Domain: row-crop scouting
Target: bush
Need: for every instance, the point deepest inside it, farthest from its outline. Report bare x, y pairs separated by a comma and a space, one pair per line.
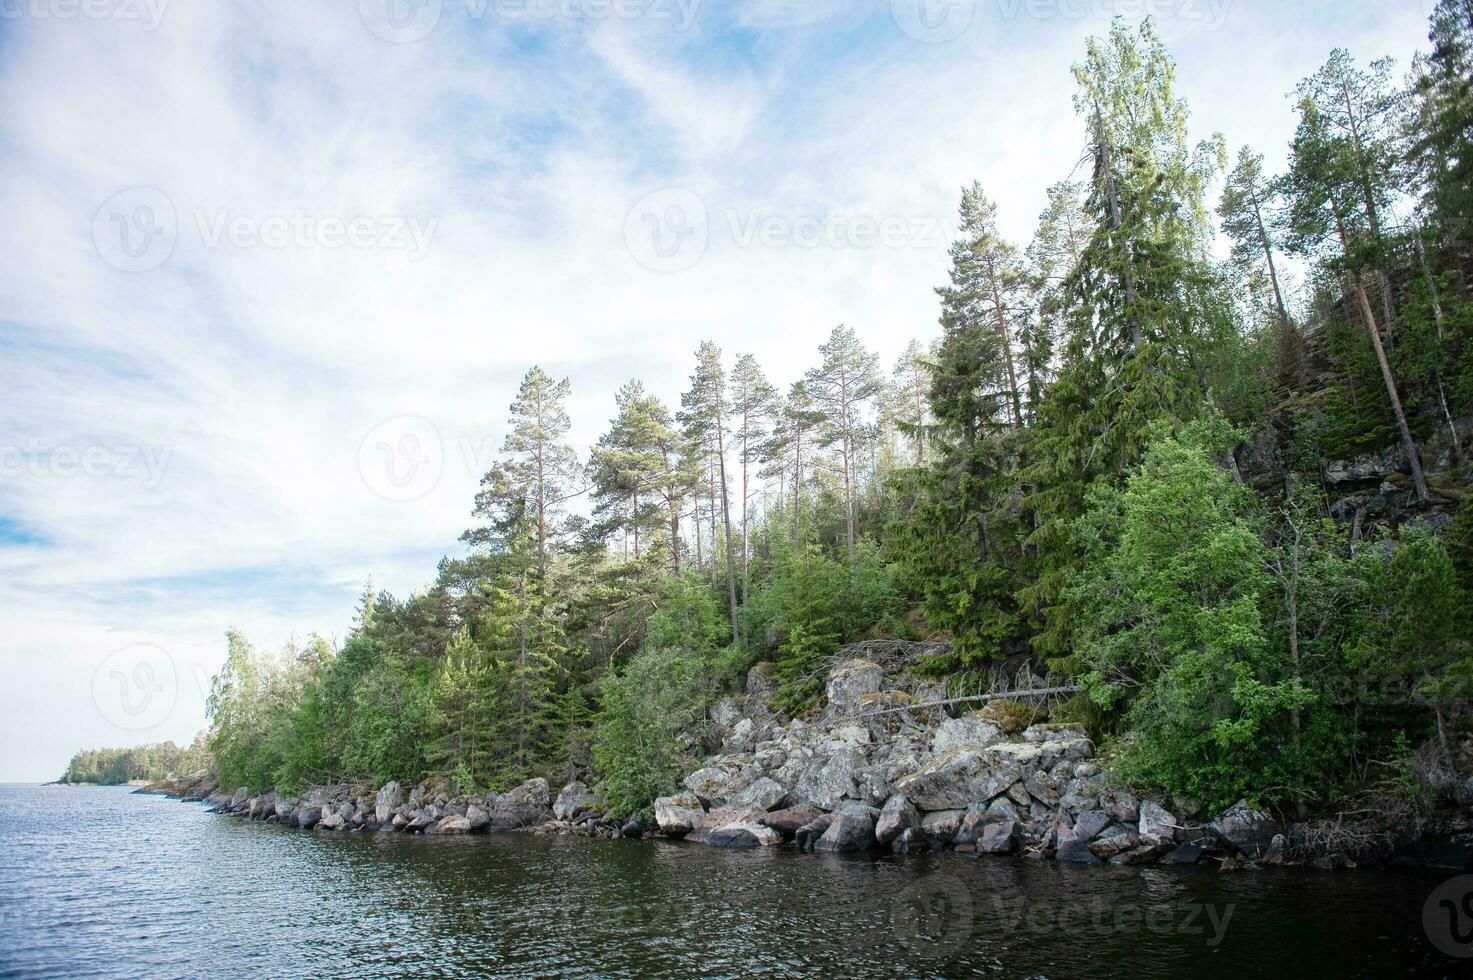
646, 707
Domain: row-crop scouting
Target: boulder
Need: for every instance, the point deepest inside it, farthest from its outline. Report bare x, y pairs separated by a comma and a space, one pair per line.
741, 738
788, 822
897, 816
1184, 854
450, 825
573, 800
525, 806
633, 828
829, 779
850, 681
1250, 831
979, 816
331, 820
971, 729
1052, 733
726, 712
942, 825
1114, 840
808, 834
1156, 826
910, 841
308, 816
762, 682
1000, 837
764, 794
478, 819
951, 781
716, 785
390, 797
851, 830
1089, 824
734, 827
677, 816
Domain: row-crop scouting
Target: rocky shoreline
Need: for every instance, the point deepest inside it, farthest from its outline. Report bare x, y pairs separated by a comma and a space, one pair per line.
880, 768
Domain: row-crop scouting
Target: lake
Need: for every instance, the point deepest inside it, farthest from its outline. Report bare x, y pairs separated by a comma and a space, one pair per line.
102, 882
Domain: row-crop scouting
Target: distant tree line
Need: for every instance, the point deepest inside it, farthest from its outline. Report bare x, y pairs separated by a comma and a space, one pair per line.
110, 767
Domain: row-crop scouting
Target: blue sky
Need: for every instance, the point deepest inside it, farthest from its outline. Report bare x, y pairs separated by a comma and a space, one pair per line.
271, 278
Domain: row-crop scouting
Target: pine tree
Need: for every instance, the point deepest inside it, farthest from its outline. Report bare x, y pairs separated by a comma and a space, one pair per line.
704, 415
753, 405
907, 399
537, 467
1134, 332
842, 387
1245, 209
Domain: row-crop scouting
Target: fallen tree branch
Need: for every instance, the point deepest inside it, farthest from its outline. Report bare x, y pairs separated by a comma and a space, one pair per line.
948, 702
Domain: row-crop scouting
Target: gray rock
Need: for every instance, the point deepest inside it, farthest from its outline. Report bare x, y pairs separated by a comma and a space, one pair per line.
970, 729
308, 816
479, 820
788, 822
717, 784
741, 738
573, 800
451, 824
726, 712
1089, 824
897, 816
808, 834
951, 781
1114, 840
1156, 826
677, 816
390, 797
1250, 831
1184, 854
910, 841
531, 795
942, 825
852, 829
734, 827
829, 780
762, 682
1052, 733
765, 794
330, 820
850, 681
1001, 837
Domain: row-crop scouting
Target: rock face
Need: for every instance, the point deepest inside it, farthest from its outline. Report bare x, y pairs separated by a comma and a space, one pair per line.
951, 781
971, 729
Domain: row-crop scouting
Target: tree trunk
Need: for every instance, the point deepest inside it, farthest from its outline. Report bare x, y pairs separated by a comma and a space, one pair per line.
736, 634
1414, 459
1007, 344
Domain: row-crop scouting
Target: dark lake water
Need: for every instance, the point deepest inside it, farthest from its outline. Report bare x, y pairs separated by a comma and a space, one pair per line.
100, 882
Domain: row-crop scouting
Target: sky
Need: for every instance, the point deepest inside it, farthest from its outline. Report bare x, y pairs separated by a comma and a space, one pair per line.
272, 271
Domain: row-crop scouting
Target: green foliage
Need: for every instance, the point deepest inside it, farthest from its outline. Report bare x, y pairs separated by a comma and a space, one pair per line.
109, 767
1172, 607
646, 707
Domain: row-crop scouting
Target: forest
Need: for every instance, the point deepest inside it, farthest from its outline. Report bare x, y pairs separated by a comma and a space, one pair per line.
1197, 449
111, 767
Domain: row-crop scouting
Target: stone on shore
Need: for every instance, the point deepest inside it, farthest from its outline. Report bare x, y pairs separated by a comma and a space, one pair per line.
678, 815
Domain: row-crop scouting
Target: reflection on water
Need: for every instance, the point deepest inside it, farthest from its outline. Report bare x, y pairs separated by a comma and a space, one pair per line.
102, 882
